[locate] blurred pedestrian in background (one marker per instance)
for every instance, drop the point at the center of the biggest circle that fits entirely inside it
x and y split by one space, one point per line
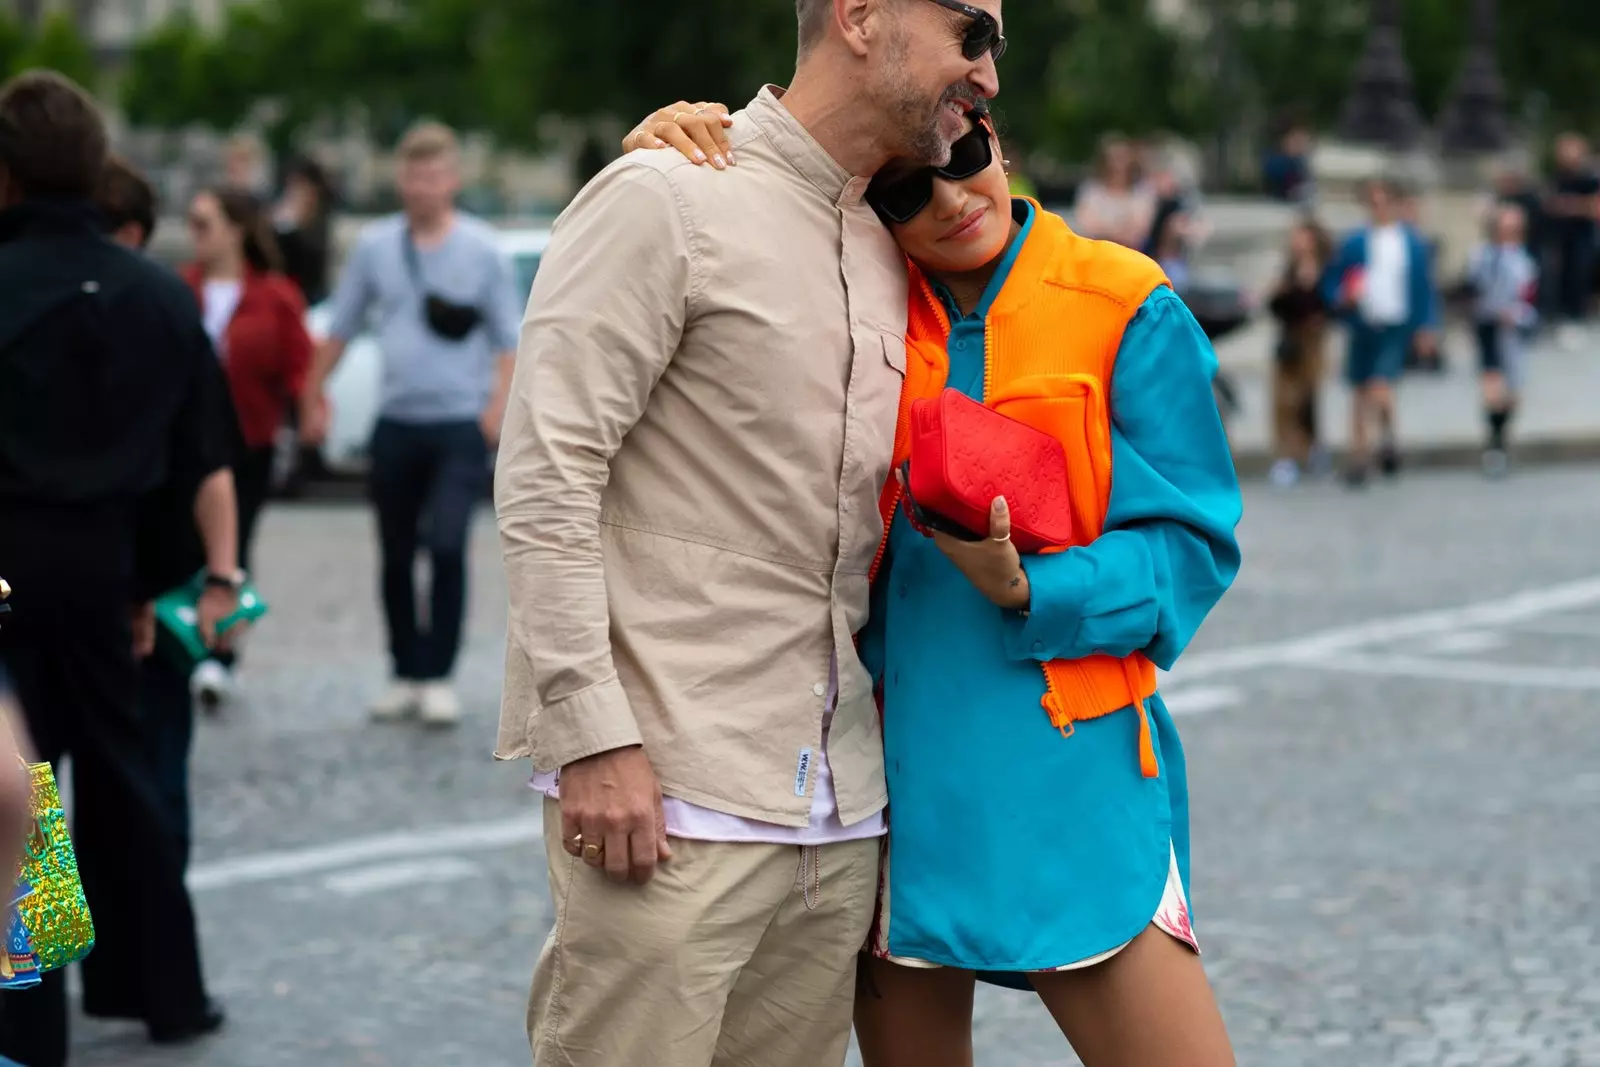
1504 279
1286 167
244 166
1175 226
170 549
105 382
1301 309
1378 281
1573 209
1513 185
303 217
1115 205
127 203
1425 353
255 318
448 318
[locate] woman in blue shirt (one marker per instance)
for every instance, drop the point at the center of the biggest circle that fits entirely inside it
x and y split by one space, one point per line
1016 856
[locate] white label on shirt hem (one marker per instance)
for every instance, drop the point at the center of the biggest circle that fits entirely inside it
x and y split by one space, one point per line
802 771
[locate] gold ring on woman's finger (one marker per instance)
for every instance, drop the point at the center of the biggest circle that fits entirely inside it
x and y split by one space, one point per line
1001 540
592 851
676 115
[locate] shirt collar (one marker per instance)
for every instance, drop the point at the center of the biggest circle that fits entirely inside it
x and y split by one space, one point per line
796 145
50 217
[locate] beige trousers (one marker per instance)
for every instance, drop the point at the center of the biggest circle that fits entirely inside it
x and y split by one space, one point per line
734 955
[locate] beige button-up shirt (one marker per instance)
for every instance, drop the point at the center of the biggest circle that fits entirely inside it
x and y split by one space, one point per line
700 425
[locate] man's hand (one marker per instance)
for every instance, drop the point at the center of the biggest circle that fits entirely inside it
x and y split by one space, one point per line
611 814
313 417
493 417
144 629
992 565
214 605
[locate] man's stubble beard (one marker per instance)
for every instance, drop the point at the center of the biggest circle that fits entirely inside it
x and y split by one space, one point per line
914 120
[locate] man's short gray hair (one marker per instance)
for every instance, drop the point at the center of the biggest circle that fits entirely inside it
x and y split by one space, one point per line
813 18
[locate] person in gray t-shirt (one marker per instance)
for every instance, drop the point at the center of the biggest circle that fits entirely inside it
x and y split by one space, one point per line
440 296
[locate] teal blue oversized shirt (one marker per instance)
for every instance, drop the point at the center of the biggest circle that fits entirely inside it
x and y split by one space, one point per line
1013 848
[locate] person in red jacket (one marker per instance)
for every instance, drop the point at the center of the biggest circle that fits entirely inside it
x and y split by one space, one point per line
256 318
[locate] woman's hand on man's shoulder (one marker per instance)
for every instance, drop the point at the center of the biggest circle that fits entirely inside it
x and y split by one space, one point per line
698 131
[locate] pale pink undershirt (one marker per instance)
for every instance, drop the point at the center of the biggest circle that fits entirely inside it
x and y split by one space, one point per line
694 823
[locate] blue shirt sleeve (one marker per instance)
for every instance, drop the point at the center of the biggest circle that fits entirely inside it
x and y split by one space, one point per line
1168 550
870 642
1338 267
505 313
354 294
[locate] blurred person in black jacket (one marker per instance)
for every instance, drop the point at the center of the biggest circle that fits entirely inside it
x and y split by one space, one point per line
170 544
108 387
303 218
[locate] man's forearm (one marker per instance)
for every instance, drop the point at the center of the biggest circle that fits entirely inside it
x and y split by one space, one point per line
323 360
505 366
216 514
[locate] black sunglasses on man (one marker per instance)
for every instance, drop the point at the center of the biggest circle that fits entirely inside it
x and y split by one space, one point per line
982 34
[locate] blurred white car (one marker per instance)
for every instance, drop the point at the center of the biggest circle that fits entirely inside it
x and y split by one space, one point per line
353 388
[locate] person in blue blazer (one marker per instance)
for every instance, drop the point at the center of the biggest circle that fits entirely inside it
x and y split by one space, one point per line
1379 283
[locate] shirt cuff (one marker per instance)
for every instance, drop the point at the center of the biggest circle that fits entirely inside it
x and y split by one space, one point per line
590 721
1057 592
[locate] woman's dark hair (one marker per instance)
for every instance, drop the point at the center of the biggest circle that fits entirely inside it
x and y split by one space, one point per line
243 210
125 196
1321 239
313 174
52 137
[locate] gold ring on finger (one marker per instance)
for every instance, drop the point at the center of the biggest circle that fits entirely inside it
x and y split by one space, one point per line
592 851
676 115
1001 540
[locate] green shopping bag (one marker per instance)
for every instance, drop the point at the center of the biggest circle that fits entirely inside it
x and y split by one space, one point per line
175 613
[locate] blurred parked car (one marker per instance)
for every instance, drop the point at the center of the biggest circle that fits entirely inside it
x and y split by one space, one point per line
353 388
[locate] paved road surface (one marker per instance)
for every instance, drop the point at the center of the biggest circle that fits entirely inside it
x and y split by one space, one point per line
1393 728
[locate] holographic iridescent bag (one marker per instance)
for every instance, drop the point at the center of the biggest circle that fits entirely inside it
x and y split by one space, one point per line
55 914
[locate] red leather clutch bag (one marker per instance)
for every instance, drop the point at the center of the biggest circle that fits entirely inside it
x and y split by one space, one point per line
963 455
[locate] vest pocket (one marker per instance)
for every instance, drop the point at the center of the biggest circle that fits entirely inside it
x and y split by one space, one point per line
1072 409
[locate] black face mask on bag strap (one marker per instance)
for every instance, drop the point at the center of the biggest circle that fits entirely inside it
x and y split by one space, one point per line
445 317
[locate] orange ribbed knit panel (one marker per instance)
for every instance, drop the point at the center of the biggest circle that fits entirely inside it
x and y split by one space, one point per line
1052 339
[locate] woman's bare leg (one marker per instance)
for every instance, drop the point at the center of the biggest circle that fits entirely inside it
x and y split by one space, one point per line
1148 1006
913 1017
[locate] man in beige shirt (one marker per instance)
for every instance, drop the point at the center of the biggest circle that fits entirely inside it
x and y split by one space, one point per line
699 427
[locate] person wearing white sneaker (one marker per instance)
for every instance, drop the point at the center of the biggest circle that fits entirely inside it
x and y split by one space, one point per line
447 316
400 700
438 704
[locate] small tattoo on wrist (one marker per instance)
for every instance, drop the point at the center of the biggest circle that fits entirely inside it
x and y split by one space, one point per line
1016 581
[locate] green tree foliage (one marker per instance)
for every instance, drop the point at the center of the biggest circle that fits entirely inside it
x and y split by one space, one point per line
1076 68
13 42
57 45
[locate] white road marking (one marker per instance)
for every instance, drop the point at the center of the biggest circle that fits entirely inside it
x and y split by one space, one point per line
405 844
1337 649
1465 643
383 876
1199 699
1507 611
1476 672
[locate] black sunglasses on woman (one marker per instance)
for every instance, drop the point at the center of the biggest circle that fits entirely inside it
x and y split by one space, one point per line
900 197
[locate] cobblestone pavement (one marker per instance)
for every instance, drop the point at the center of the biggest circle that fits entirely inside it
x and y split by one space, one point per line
1393 730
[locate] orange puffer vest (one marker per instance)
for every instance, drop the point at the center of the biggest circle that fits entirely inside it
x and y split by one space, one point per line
1050 343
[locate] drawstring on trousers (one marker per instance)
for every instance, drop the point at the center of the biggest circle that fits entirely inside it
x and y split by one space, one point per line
810 877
